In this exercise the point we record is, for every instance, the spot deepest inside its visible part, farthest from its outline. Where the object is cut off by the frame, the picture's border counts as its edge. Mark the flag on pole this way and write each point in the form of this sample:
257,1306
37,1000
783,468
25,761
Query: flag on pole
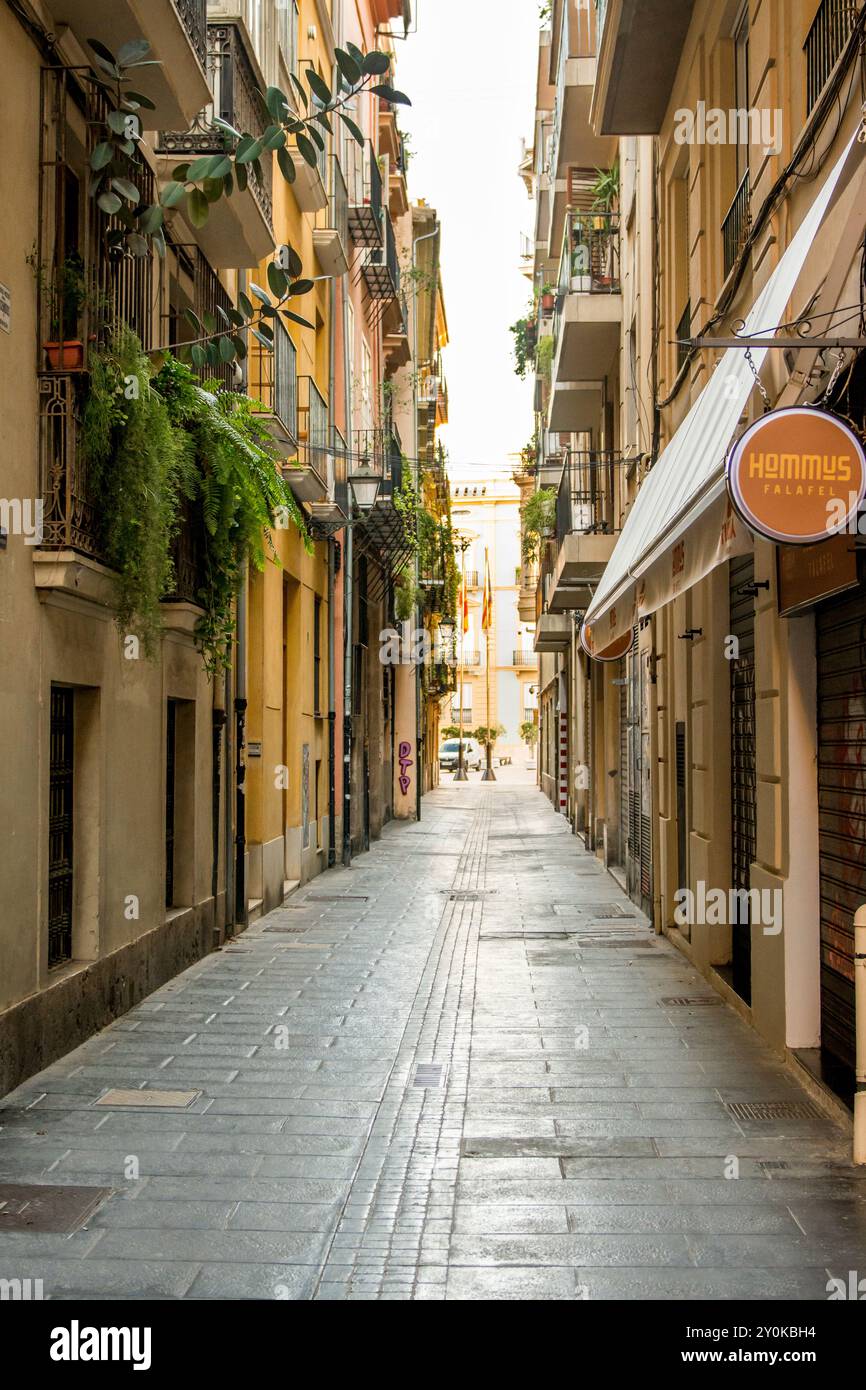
464,604
487,608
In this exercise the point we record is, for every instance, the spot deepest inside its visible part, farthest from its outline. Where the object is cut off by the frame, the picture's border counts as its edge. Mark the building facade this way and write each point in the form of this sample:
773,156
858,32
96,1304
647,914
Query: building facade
720,752
158,798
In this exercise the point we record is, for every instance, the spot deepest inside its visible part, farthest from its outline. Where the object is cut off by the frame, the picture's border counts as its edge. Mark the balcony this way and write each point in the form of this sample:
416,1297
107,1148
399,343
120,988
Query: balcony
522,657
381,270
239,231
472,579
587,525
737,224
177,33
398,349
640,43
553,633
331,232
469,657
364,183
310,187
588,320
197,286
398,188
273,385
311,474
573,142
825,43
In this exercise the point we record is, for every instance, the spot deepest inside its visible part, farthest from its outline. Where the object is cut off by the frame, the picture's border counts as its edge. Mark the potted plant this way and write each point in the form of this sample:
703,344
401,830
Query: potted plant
548,299
606,202
539,519
67,297
525,333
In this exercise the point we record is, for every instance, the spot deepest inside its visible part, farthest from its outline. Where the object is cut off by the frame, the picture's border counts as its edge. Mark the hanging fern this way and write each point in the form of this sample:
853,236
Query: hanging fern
151,441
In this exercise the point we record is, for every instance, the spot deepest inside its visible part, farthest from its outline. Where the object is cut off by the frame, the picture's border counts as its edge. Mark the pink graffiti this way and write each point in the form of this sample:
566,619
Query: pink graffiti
405,763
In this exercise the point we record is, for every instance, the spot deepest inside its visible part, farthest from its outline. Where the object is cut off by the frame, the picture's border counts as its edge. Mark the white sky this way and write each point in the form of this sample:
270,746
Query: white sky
470,74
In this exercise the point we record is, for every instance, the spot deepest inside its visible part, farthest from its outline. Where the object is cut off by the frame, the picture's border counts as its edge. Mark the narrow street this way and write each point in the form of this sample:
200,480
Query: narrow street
461,1069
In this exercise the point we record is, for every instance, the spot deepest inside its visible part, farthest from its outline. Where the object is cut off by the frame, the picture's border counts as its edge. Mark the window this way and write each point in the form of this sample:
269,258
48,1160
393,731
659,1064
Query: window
741,91
317,656
287,33
366,386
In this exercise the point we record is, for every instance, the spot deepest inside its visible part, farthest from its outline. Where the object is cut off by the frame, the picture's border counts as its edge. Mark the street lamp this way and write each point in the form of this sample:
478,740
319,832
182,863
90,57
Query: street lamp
365,487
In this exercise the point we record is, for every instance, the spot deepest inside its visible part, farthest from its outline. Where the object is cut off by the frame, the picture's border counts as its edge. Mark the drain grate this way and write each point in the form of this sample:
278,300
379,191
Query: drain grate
286,931
40,1207
468,895
773,1166
685,1001
149,1100
429,1074
774,1110
336,898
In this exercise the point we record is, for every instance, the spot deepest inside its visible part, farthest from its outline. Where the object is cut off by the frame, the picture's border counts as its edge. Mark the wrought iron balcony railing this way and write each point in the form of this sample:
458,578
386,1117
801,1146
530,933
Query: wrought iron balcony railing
589,263
737,224
313,421
273,378
187,555
82,285
364,186
382,269
71,511
524,657
237,100
209,296
684,331
831,29
335,217
586,502
193,15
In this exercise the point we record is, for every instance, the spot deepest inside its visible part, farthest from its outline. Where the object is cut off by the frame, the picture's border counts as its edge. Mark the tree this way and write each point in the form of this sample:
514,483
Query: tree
529,733
485,735
198,184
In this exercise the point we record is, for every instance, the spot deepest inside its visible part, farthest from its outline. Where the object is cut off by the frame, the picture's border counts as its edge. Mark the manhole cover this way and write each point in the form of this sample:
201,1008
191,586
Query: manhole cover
149,1100
288,931
38,1207
468,895
774,1110
428,1074
684,1001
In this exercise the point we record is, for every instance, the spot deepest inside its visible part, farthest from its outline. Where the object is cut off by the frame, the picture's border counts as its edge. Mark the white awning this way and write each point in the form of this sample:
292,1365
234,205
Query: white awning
682,525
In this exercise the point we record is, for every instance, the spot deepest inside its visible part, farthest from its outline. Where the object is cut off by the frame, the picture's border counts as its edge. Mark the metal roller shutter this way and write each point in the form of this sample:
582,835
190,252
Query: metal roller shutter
841,642
743,766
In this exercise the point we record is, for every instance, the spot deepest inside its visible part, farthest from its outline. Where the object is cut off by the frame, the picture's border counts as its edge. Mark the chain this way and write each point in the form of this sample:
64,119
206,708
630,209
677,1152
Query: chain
768,404
834,377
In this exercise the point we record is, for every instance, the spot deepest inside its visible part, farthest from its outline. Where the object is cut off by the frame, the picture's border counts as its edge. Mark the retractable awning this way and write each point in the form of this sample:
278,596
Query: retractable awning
682,524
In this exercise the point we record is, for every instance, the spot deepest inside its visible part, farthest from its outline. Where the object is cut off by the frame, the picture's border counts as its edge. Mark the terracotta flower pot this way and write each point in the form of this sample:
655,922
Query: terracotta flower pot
548,303
67,356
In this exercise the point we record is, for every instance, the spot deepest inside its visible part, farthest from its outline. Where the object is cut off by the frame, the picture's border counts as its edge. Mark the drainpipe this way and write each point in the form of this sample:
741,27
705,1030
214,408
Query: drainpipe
419,738
227,808
348,601
332,715
241,909
860,1032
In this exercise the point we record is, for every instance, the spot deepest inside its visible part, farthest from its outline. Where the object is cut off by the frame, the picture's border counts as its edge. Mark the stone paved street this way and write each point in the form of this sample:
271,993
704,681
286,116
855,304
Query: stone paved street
451,1071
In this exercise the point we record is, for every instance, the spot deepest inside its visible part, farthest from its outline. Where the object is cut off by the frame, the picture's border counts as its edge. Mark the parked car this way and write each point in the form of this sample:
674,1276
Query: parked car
449,754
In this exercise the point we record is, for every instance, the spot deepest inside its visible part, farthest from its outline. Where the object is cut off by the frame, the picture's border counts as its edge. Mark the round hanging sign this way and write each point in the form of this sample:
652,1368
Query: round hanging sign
612,652
798,475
